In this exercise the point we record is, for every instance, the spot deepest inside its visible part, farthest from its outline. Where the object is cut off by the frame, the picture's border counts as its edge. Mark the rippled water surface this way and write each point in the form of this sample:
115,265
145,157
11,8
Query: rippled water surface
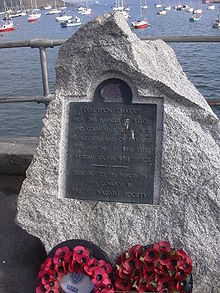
20,72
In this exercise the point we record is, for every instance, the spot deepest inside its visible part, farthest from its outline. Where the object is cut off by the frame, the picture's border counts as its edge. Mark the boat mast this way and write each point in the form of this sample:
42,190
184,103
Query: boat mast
219,13
5,6
141,10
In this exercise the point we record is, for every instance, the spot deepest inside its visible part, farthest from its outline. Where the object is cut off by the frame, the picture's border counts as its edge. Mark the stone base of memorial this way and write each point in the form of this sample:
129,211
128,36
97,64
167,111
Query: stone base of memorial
129,152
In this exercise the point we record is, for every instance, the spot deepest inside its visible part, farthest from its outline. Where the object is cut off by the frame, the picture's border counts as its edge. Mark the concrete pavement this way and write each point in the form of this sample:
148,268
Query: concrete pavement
20,253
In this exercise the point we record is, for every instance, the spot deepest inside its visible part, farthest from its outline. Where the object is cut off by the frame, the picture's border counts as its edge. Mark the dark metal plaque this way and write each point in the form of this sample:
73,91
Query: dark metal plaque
111,152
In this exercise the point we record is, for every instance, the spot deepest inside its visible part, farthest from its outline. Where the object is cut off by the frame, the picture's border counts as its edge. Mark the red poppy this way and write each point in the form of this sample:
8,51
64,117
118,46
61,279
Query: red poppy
123,285
179,275
105,286
104,265
62,254
164,258
75,267
172,263
42,270
40,289
160,269
165,283
52,286
122,273
90,266
162,246
185,264
147,275
136,250
129,265
137,274
148,266
80,254
45,279
55,290
98,276
150,255
181,254
49,267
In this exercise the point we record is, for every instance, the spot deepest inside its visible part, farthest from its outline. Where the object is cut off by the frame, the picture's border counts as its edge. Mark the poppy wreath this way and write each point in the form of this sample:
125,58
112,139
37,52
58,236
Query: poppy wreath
153,268
77,260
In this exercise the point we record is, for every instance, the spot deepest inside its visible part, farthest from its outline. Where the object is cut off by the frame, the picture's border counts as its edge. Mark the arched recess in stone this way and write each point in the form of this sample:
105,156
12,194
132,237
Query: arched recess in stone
113,86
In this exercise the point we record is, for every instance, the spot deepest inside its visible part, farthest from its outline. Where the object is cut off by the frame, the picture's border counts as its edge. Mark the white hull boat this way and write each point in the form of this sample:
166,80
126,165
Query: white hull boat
37,15
48,7
178,7
87,11
211,7
7,27
197,11
63,18
53,11
167,8
162,12
71,22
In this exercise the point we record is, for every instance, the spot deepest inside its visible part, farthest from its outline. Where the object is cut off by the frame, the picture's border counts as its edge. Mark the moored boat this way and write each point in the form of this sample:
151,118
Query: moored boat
63,18
178,7
216,23
185,7
53,11
32,18
190,9
87,11
197,11
7,27
139,24
48,7
195,18
162,12
211,7
15,14
144,5
71,22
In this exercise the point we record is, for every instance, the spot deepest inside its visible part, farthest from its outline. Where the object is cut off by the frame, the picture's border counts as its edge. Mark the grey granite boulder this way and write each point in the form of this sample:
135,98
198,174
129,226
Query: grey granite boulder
188,214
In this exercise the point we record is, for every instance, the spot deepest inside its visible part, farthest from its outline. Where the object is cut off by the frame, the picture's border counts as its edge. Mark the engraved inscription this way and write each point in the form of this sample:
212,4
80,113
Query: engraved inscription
111,152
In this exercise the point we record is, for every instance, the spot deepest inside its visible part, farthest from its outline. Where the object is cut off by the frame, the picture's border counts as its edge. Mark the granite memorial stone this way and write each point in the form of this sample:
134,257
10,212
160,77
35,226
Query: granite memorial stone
129,152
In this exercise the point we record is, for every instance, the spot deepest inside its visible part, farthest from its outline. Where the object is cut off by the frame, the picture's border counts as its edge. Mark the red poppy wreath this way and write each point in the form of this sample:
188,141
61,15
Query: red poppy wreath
153,268
79,261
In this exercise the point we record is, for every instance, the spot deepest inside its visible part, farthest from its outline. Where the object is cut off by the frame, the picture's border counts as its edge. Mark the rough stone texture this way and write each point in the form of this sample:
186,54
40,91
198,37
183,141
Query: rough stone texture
188,214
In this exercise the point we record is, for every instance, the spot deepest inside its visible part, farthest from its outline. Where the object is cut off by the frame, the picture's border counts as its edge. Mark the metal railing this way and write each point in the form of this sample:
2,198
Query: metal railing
42,44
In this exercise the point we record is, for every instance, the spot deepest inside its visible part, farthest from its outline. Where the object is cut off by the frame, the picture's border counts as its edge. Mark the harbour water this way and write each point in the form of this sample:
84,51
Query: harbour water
20,72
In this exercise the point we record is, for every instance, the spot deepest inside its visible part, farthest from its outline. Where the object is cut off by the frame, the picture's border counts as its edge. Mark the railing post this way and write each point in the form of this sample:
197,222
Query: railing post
43,60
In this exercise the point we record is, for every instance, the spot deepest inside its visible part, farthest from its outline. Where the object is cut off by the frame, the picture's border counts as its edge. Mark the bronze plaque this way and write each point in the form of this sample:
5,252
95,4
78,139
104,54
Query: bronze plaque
111,152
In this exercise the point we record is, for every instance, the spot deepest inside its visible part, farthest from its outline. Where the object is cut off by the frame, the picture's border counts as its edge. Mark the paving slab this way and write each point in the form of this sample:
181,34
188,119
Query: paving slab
21,254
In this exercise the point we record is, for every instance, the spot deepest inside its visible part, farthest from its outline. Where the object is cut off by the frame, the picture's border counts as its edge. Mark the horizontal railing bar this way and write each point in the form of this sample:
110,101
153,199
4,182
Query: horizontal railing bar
47,99
184,39
19,99
34,43
214,102
47,43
